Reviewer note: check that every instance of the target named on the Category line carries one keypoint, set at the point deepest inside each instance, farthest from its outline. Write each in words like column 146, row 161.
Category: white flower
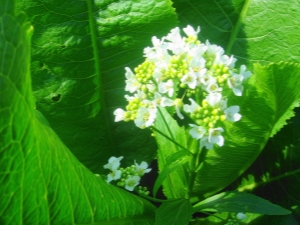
column 197, row 132
column 228, row 61
column 213, row 50
column 131, row 182
column 145, row 117
column 197, row 62
column 204, row 142
column 178, row 106
column 176, row 44
column 215, row 136
column 132, row 84
column 235, row 83
column 113, row 163
column 142, row 168
column 162, row 101
column 190, row 32
column 114, row 175
column 241, row 216
column 204, row 79
column 213, row 98
column 191, row 108
column 119, row 114
column 166, row 87
column 158, row 51
column 190, row 79
column 213, row 86
column 232, row 113
column 244, row 73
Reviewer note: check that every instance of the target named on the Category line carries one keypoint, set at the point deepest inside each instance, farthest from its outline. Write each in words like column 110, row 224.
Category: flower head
column 131, row 182
column 142, row 168
column 113, row 163
column 232, row 113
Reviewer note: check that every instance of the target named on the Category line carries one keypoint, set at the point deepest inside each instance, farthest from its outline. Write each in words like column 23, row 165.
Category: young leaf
column 174, row 212
column 173, row 162
column 79, row 52
column 175, row 186
column 41, row 180
column 239, row 202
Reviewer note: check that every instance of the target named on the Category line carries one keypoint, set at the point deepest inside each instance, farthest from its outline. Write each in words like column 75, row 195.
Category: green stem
column 170, row 139
column 237, row 26
column 153, row 199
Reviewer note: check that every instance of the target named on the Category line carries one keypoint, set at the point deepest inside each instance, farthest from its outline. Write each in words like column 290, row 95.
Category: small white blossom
column 176, row 44
column 232, row 113
column 235, row 83
column 114, row 175
column 241, row 216
column 162, row 101
column 190, row 79
column 244, row 73
column 145, row 117
column 158, row 51
column 131, row 182
column 197, row 132
column 142, row 168
column 132, row 84
column 166, row 87
column 178, row 106
column 204, row 142
column 190, row 31
column 192, row 107
column 213, row 98
column 113, row 163
column 213, row 87
column 213, row 50
column 119, row 114
column 215, row 136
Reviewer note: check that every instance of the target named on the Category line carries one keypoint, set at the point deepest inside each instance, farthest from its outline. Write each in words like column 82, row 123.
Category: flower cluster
column 238, row 218
column 192, row 77
column 128, row 177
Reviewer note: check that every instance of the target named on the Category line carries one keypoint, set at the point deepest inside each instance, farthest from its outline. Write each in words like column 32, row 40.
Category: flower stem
column 169, row 138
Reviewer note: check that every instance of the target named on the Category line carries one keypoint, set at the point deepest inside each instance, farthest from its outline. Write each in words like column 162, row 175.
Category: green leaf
column 277, row 166
column 175, row 186
column 79, row 52
column 239, row 202
column 261, row 108
column 41, row 180
column 174, row 212
column 172, row 163
column 253, row 31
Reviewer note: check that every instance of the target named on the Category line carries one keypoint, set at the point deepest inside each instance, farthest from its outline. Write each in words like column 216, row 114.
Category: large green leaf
column 239, row 202
column 79, row 51
column 261, row 110
column 251, row 30
column 41, row 181
column 172, row 158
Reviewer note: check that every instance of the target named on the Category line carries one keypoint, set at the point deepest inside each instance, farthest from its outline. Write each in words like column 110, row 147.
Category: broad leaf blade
column 79, row 53
column 239, row 202
column 174, row 212
column 41, row 181
column 176, row 184
column 172, row 163
column 253, row 31
column 244, row 141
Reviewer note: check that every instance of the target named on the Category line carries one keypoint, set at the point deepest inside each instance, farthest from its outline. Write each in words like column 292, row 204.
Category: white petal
column 119, row 114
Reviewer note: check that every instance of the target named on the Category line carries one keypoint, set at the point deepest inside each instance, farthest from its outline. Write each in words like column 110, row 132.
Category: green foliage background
column 62, row 76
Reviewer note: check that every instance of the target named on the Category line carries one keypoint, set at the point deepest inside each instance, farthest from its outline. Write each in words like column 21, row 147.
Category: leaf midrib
column 237, row 26
column 106, row 119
